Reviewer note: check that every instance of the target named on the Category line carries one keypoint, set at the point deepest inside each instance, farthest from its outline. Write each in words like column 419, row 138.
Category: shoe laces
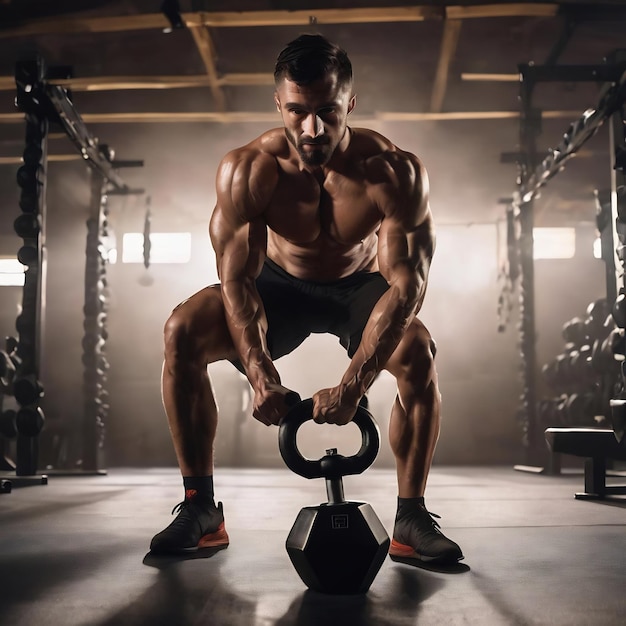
column 187, row 502
column 189, row 513
column 431, row 518
column 435, row 523
column 180, row 506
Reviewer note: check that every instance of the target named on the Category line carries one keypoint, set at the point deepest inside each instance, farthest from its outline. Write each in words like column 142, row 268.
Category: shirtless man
column 318, row 227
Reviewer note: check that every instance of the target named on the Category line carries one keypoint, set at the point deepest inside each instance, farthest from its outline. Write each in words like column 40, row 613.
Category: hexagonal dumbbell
column 337, row 547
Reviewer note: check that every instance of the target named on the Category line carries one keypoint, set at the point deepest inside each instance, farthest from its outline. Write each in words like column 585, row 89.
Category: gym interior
column 113, row 119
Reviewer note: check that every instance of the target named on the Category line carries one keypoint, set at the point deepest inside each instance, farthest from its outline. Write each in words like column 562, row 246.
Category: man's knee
column 191, row 331
column 413, row 362
column 177, row 339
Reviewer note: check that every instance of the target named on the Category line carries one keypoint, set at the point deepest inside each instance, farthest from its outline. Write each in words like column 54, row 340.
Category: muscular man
column 318, row 227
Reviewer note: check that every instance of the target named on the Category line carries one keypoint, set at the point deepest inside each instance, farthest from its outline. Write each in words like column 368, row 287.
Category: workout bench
column 596, row 445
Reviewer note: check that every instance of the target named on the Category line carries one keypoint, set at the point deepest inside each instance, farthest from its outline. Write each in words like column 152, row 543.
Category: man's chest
column 304, row 208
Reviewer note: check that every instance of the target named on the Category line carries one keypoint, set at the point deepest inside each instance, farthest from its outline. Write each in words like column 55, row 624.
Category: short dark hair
column 311, row 57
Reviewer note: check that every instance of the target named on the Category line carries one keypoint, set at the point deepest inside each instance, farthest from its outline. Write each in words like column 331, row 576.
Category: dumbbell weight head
column 27, row 389
column 26, row 226
column 616, row 341
column 8, row 427
column 602, row 356
column 574, row 331
column 580, row 409
column 597, row 312
column 338, row 548
column 29, row 421
column 561, row 367
column 548, row 412
column 548, row 371
column 561, row 409
column 7, row 372
column 580, row 365
column 619, row 310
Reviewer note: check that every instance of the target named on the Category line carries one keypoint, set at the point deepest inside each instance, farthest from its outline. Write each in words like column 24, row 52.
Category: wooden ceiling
column 454, row 63
column 202, row 26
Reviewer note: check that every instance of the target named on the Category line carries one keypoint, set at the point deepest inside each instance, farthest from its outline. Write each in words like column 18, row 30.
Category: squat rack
column 533, row 174
column 44, row 104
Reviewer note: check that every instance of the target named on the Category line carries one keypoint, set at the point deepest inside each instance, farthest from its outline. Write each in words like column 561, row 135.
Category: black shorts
column 296, row 308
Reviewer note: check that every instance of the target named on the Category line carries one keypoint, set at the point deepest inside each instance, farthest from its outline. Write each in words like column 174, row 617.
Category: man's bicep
column 245, row 252
column 239, row 245
column 245, row 182
column 402, row 247
column 240, row 252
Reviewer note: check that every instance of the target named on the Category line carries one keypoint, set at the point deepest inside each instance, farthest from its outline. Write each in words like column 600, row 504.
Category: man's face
column 315, row 116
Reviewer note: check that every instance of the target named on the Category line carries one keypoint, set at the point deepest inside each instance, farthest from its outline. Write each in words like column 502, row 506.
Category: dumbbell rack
column 30, row 225
column 533, row 174
column 43, row 103
column 600, row 446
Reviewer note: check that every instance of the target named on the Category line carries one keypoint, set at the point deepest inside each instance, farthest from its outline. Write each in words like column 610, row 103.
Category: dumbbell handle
column 330, row 466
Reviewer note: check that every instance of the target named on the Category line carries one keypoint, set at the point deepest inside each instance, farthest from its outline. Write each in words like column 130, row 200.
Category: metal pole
column 95, row 395
column 530, row 127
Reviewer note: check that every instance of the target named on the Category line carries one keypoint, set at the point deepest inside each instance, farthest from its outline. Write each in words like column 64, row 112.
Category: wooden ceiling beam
column 157, row 21
column 247, row 79
column 206, row 48
column 507, row 78
column 466, row 115
column 449, row 41
column 75, row 24
column 51, row 158
column 309, row 17
column 116, row 83
column 518, row 9
column 272, row 117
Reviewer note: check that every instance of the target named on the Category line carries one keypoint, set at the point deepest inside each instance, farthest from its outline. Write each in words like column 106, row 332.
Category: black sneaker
column 195, row 527
column 416, row 535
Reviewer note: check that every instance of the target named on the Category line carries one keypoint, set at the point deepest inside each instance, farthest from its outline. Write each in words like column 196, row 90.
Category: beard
column 317, row 155
column 317, row 152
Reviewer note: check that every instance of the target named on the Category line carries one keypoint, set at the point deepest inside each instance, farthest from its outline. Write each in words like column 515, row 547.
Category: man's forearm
column 255, row 358
column 247, row 324
column 385, row 328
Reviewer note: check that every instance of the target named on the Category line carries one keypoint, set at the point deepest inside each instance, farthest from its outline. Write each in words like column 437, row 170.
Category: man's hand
column 334, row 406
column 272, row 402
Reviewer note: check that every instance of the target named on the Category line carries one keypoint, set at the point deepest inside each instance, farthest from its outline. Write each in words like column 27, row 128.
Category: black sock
column 200, row 488
column 407, row 504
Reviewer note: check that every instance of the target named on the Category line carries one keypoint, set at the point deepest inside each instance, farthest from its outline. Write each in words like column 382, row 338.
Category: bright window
column 11, row 272
column 597, row 248
column 164, row 248
column 554, row 243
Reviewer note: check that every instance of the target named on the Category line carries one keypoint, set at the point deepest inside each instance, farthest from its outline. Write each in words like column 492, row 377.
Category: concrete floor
column 74, row 552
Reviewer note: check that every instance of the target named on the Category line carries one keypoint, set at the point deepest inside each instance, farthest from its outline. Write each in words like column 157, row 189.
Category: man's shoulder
column 372, row 145
column 250, row 171
column 379, row 153
column 370, row 142
column 264, row 148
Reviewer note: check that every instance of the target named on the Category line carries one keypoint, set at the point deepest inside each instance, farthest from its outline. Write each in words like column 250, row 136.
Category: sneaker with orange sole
column 195, row 527
column 417, row 535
